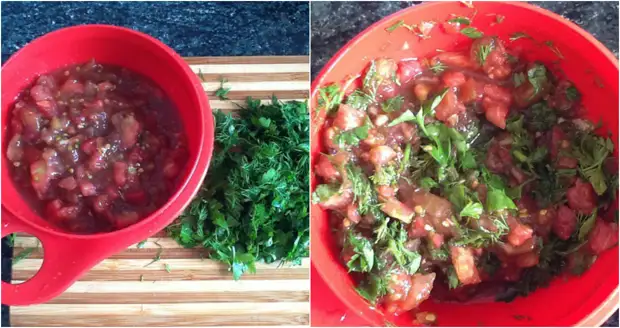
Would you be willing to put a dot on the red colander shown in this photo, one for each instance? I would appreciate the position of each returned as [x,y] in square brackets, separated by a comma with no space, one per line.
[67,256]
[577,301]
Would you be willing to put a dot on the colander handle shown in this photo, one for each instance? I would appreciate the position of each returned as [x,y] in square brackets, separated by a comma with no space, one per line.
[59,270]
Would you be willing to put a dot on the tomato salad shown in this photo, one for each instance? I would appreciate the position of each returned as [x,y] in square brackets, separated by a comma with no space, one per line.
[463,176]
[94,147]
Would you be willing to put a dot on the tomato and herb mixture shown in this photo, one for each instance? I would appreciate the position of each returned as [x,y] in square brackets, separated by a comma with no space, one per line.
[466,175]
[94,147]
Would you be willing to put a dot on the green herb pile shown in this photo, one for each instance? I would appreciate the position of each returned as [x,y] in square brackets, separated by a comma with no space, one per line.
[253,205]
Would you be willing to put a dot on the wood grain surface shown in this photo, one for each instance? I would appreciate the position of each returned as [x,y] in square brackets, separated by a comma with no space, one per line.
[125,290]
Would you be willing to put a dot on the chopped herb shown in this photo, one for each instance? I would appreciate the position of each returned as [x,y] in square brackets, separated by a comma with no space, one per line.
[385,176]
[373,287]
[499,19]
[253,204]
[222,92]
[370,82]
[393,104]
[554,48]
[354,136]
[201,76]
[438,68]
[428,183]
[23,254]
[586,223]
[519,35]
[572,94]
[472,32]
[453,279]
[359,99]
[330,98]
[395,26]
[498,201]
[473,210]
[157,256]
[537,76]
[141,244]
[324,192]
[482,53]
[406,116]
[518,79]
[591,152]
[167,267]
[363,257]
[460,20]
[141,277]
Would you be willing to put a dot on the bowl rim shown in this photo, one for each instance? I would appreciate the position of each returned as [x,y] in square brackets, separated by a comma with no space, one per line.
[610,304]
[187,187]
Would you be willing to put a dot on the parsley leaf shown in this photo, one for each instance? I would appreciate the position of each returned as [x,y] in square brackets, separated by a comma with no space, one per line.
[406,116]
[472,32]
[482,53]
[222,92]
[537,76]
[393,104]
[586,223]
[363,257]
[572,94]
[591,152]
[518,35]
[354,136]
[360,100]
[498,201]
[460,20]
[330,97]
[473,210]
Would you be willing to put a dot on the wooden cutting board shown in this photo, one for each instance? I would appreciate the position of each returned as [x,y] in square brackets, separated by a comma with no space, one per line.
[121,291]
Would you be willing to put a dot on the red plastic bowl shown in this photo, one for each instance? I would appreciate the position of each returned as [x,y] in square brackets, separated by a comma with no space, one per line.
[584,301]
[67,256]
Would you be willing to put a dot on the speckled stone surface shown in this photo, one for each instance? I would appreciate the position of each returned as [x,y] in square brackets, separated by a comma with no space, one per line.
[333,24]
[190,28]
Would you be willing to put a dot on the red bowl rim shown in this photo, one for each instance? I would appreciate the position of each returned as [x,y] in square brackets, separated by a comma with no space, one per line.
[609,305]
[188,187]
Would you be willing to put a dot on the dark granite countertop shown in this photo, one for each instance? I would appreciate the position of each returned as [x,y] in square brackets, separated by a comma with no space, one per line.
[335,23]
[190,28]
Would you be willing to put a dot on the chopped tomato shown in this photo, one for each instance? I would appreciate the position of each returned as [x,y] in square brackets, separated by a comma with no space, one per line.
[348,118]
[450,105]
[565,222]
[603,236]
[464,265]
[326,170]
[581,197]
[407,70]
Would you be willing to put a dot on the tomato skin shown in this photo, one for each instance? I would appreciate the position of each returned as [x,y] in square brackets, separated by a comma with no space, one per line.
[471,91]
[565,222]
[407,70]
[464,265]
[453,78]
[498,158]
[348,118]
[450,105]
[581,197]
[453,59]
[326,170]
[496,64]
[519,232]
[603,236]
